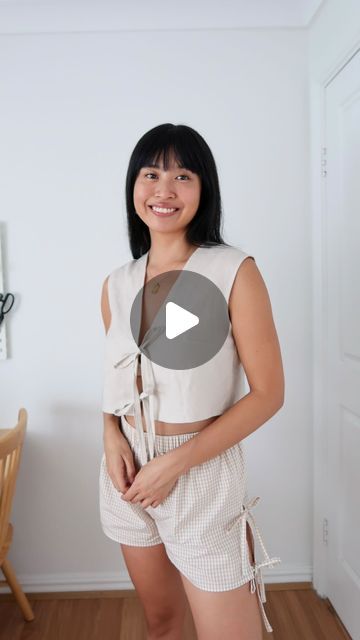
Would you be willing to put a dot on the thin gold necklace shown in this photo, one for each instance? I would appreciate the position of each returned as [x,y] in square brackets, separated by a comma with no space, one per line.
[156,285]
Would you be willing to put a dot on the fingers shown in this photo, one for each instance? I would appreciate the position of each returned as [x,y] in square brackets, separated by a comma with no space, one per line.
[147,503]
[122,474]
[130,468]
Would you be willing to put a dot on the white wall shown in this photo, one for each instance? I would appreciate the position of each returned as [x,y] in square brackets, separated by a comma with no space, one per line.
[73,107]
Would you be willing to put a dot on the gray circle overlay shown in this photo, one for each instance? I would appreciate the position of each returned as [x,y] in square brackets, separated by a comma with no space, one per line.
[194,293]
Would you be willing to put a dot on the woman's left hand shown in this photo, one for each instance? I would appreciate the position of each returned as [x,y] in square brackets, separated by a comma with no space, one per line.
[153,482]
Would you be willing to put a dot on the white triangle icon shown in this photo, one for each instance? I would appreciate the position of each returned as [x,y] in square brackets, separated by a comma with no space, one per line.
[178,320]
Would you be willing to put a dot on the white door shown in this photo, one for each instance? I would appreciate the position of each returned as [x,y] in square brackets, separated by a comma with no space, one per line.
[342,341]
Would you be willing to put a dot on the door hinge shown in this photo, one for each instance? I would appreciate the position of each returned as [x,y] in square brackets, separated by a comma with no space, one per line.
[323,162]
[325,530]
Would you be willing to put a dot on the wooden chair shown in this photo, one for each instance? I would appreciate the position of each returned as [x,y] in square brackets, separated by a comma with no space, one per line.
[11,442]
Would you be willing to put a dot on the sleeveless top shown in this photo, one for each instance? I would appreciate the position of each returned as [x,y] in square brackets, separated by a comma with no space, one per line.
[169,395]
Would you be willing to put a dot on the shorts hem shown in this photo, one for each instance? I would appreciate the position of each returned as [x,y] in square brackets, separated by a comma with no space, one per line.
[247,578]
[131,543]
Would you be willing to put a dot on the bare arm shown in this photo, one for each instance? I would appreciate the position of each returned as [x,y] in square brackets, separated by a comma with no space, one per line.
[259,351]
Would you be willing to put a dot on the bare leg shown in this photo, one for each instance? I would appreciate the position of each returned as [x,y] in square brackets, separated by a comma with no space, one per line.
[234,614]
[159,587]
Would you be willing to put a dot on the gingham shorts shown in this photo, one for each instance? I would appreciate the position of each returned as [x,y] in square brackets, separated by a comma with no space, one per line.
[196,522]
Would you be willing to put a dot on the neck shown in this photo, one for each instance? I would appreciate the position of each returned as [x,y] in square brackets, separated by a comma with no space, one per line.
[166,251]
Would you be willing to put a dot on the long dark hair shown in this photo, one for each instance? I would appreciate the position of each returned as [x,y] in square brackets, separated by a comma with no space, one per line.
[191,152]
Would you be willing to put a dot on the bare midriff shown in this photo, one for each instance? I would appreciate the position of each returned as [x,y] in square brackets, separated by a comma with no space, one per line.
[174,428]
[171,428]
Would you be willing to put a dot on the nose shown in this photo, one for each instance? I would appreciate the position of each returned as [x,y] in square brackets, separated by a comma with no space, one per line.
[165,187]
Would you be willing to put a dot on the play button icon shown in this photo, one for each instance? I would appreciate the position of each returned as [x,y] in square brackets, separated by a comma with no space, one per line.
[178,320]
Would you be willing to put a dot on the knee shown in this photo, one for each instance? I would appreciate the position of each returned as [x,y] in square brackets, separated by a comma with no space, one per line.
[167,626]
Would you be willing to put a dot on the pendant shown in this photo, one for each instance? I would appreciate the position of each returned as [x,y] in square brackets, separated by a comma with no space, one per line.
[155,288]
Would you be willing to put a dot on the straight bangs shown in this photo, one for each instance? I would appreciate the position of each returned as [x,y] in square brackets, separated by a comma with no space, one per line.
[163,147]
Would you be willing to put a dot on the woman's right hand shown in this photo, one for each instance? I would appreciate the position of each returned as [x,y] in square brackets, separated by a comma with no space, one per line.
[119,457]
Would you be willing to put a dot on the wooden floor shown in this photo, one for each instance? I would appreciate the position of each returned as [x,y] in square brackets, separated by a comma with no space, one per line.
[294,610]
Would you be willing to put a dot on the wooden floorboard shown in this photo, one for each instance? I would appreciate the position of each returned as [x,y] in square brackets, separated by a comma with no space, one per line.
[295,612]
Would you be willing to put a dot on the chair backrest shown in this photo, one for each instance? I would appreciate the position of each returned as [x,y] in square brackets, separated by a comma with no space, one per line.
[11,443]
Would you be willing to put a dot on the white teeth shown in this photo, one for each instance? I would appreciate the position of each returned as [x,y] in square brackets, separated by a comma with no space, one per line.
[161,210]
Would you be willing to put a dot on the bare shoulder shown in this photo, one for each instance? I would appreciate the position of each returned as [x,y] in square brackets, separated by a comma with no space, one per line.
[105,306]
[248,286]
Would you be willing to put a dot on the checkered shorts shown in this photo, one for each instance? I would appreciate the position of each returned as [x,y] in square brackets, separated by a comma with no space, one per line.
[202,522]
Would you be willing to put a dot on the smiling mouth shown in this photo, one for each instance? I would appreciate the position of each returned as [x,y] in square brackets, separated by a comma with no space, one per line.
[162,211]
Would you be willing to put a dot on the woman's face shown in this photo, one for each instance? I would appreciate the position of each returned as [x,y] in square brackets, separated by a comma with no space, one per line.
[175,188]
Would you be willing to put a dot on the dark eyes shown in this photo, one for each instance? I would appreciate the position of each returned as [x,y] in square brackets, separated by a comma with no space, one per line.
[180,176]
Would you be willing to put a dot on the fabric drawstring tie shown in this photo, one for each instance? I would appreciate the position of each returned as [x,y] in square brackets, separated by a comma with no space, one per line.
[145,398]
[257,581]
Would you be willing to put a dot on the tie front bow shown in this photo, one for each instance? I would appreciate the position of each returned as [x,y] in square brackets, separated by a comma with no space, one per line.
[145,398]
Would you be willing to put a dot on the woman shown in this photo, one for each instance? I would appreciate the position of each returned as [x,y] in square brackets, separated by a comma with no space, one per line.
[173,477]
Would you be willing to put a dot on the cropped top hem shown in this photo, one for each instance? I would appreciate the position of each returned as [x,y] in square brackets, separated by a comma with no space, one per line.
[176,419]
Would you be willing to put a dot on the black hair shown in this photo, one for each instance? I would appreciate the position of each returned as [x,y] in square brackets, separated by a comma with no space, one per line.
[191,152]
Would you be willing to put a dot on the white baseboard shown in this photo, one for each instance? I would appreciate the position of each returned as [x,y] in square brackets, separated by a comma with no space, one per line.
[119,580]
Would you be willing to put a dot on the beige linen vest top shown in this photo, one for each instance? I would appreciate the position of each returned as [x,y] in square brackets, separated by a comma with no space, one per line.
[169,395]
